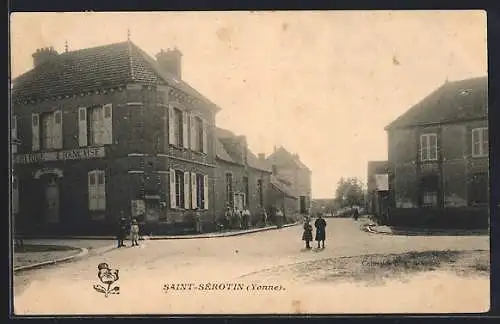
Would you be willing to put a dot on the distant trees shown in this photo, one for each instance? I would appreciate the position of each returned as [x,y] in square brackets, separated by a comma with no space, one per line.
[350,192]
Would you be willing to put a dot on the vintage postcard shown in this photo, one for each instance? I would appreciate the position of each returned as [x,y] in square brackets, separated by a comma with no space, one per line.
[295,162]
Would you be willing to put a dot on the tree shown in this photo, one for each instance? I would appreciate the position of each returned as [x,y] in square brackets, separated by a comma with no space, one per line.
[350,192]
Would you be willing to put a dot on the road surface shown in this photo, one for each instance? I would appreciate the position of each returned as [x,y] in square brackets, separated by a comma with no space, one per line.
[221,275]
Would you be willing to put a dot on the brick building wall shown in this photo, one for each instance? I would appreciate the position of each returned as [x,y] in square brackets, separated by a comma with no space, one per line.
[454,170]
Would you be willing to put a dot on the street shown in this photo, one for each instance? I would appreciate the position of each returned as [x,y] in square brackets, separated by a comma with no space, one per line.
[150,276]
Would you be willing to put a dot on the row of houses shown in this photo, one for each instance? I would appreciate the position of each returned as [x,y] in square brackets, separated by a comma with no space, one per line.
[109,129]
[436,174]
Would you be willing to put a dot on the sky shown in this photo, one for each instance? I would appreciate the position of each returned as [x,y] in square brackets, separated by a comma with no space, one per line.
[323,84]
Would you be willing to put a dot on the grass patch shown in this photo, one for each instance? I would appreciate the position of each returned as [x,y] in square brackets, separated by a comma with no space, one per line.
[41,248]
[377,268]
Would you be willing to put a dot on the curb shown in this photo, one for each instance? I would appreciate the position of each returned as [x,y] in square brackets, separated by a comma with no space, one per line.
[83,252]
[217,235]
[370,229]
[176,237]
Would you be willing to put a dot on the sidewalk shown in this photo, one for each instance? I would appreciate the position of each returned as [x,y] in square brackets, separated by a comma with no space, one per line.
[390,230]
[91,246]
[225,233]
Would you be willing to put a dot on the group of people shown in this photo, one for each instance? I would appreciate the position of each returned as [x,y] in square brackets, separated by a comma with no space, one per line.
[237,218]
[320,225]
[128,228]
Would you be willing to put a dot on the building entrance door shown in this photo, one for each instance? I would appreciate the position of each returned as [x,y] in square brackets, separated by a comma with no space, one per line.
[52,201]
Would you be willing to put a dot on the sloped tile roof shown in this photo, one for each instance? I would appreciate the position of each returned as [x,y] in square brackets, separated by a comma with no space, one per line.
[254,162]
[94,68]
[221,152]
[283,154]
[225,139]
[453,101]
[282,187]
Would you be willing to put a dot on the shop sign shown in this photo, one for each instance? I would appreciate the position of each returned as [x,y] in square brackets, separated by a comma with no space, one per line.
[76,154]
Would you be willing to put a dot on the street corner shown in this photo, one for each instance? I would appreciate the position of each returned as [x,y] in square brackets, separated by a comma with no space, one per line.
[29,257]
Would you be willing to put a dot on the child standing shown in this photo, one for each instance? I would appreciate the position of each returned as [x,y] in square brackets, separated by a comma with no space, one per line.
[307,236]
[134,232]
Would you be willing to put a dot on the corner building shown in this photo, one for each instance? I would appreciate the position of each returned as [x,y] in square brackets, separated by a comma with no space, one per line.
[110,129]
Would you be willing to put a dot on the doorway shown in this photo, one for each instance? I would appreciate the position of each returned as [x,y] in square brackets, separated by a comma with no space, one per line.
[52,201]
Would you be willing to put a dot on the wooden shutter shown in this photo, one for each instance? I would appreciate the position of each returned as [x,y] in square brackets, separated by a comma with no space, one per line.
[57,130]
[35,131]
[485,141]
[205,191]
[107,124]
[101,190]
[171,125]
[13,127]
[194,196]
[186,191]
[205,136]
[82,126]
[433,147]
[192,128]
[172,189]
[185,140]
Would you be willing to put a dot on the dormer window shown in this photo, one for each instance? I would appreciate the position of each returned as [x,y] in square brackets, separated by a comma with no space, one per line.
[465,92]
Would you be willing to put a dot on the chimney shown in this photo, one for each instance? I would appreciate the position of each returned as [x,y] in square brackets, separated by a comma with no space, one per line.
[43,54]
[170,61]
[296,156]
[262,156]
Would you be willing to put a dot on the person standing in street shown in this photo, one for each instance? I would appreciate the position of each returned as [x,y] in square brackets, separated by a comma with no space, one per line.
[228,215]
[246,217]
[198,222]
[122,230]
[279,218]
[307,235]
[320,225]
[355,213]
[134,232]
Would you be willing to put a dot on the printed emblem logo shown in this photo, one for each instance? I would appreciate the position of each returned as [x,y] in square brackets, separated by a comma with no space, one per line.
[108,277]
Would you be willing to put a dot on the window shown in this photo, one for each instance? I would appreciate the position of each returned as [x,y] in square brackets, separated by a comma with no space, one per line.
[229,189]
[13,133]
[95,126]
[51,130]
[430,199]
[480,142]
[200,191]
[97,190]
[178,131]
[429,188]
[198,124]
[478,189]
[260,193]
[428,147]
[179,188]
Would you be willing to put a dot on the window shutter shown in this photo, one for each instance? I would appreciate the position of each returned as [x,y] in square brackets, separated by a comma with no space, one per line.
[205,143]
[172,189]
[205,192]
[433,146]
[13,125]
[485,140]
[35,131]
[194,188]
[107,124]
[192,128]
[101,190]
[57,129]
[475,142]
[185,140]
[186,190]
[171,123]
[82,126]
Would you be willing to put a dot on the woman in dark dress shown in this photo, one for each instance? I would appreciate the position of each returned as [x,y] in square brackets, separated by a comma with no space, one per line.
[307,235]
[320,225]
